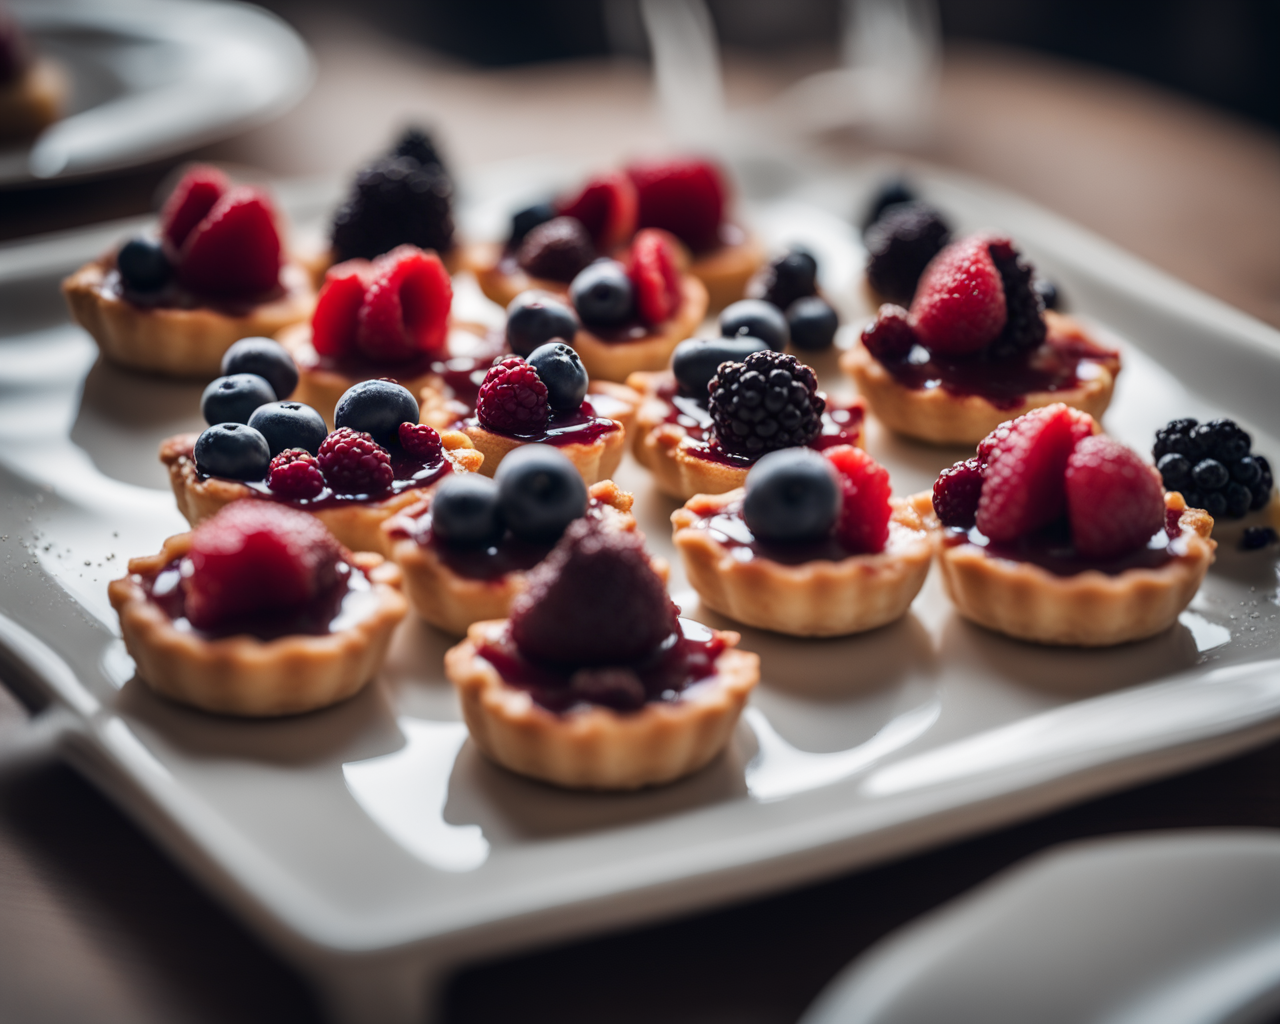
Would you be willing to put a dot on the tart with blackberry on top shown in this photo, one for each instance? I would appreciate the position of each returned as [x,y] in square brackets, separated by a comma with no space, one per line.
[813,545]
[1059,535]
[217,272]
[467,549]
[976,348]
[259,611]
[724,404]
[595,682]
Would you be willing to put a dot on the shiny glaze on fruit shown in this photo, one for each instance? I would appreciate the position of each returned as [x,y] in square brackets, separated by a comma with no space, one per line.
[174,296]
[579,426]
[462,367]
[729,529]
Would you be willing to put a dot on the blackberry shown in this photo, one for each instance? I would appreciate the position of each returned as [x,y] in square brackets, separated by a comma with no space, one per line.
[1261,491]
[1239,498]
[892,192]
[1210,475]
[1256,537]
[1175,471]
[768,401]
[395,201]
[1211,465]
[900,245]
[1025,328]
[1222,439]
[556,250]
[1175,437]
[419,145]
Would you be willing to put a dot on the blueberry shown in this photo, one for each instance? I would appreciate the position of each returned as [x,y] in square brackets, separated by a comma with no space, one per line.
[602,294]
[524,221]
[1048,292]
[1257,537]
[1246,471]
[289,425]
[695,360]
[267,358]
[792,495]
[464,511]
[1175,471]
[791,277]
[560,369]
[539,492]
[143,265]
[535,318]
[757,318]
[232,450]
[377,407]
[812,323]
[1238,500]
[1210,475]
[890,193]
[232,399]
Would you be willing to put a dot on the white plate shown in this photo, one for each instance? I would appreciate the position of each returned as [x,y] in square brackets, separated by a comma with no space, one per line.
[371,843]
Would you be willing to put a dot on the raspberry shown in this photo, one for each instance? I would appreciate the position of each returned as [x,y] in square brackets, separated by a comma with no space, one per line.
[190,202]
[295,473]
[395,201]
[653,272]
[900,245]
[767,401]
[685,197]
[1025,327]
[512,399]
[863,526]
[406,306]
[607,208]
[1115,501]
[421,441]
[556,250]
[959,306]
[353,463]
[337,315]
[595,600]
[235,249]
[956,493]
[890,336]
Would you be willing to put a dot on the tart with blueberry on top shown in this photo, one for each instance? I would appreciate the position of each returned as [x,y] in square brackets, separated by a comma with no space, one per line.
[595,682]
[467,549]
[217,272]
[33,89]
[1059,535]
[813,545]
[976,348]
[259,611]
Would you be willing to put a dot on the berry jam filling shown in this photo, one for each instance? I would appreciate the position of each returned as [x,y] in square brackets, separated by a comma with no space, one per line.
[729,529]
[680,662]
[575,426]
[462,368]
[173,295]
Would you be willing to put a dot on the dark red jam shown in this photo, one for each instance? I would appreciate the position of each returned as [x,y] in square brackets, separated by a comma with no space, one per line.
[462,367]
[681,661]
[579,426]
[175,296]
[731,530]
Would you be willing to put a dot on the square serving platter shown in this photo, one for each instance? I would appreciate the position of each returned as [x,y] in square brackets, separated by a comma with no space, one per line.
[373,846]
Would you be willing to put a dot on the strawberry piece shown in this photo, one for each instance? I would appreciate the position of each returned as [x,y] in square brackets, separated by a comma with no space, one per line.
[1115,501]
[863,527]
[333,325]
[190,202]
[606,206]
[685,197]
[257,557]
[1022,487]
[235,249]
[406,306]
[959,306]
[655,275]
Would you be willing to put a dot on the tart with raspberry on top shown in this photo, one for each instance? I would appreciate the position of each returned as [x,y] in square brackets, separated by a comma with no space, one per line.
[594,681]
[259,611]
[218,272]
[467,549]
[1056,534]
[976,348]
[812,545]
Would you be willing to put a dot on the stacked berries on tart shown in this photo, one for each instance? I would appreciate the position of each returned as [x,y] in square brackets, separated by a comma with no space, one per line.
[812,545]
[975,348]
[1058,535]
[258,611]
[789,286]
[33,89]
[216,272]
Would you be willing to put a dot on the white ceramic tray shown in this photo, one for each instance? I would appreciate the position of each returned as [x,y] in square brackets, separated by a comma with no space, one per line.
[375,848]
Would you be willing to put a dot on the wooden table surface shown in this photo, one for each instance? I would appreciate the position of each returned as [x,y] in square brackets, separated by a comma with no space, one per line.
[96,925]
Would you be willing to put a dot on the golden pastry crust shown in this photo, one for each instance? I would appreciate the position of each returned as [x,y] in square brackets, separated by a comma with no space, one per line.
[596,747]
[502,284]
[936,416]
[819,598]
[1090,609]
[439,409]
[242,675]
[452,602]
[617,360]
[177,342]
[595,460]
[357,526]
[34,101]
[726,270]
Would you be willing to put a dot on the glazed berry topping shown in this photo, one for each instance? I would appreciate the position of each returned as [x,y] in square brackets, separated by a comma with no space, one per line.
[418,144]
[233,399]
[607,207]
[1048,292]
[956,493]
[421,441]
[1115,501]
[535,318]
[353,463]
[812,323]
[695,361]
[556,250]
[190,202]
[143,265]
[863,527]
[405,309]
[959,307]
[768,401]
[513,399]
[890,193]
[333,324]
[1255,538]
[233,450]
[524,221]
[289,425]
[595,600]
[235,249]
[603,294]
[265,357]
[465,511]
[540,492]
[890,336]
[685,197]
[1175,436]
[295,475]
[792,496]
[396,200]
[1222,439]
[756,318]
[376,408]
[654,276]
[1210,464]
[792,276]
[560,369]
[900,245]
[1024,327]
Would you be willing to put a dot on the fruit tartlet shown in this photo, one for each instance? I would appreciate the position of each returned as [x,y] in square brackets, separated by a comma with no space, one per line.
[594,681]
[33,89]
[258,611]
[467,549]
[813,545]
[218,272]
[379,460]
[789,286]
[976,348]
[1058,535]
[725,403]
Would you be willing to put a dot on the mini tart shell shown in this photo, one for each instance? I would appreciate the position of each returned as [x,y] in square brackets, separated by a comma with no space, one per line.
[177,342]
[484,260]
[441,410]
[452,602]
[357,526]
[242,675]
[818,598]
[617,360]
[936,416]
[33,101]
[594,460]
[597,747]
[1089,609]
